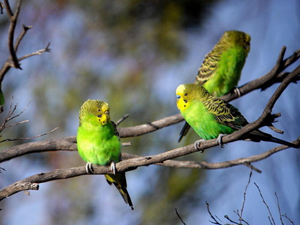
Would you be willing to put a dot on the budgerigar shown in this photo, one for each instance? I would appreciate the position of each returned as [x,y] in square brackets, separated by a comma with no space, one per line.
[222,67]
[98,142]
[210,116]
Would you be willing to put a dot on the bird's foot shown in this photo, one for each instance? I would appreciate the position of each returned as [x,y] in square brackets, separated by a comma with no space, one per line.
[197,145]
[237,90]
[89,169]
[219,140]
[113,167]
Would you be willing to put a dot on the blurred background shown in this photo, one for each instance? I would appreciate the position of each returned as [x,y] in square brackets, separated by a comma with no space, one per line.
[133,55]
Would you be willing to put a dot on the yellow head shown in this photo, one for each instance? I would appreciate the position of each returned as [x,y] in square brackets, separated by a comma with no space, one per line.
[99,109]
[186,93]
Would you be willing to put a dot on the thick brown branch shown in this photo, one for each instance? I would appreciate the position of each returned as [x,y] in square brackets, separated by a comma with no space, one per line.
[128,164]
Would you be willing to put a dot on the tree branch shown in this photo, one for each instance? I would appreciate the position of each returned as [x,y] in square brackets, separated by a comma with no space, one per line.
[13,22]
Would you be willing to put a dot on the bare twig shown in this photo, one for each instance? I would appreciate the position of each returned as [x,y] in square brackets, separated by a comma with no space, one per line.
[271,219]
[18,41]
[122,119]
[288,219]
[179,217]
[279,210]
[28,138]
[252,167]
[10,116]
[245,192]
[39,52]
[227,217]
[212,216]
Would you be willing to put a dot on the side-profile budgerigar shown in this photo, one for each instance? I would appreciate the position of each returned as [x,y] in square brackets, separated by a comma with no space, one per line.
[222,66]
[211,117]
[98,142]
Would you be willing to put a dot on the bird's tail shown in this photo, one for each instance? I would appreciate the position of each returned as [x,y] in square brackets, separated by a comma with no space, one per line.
[119,180]
[267,137]
[185,129]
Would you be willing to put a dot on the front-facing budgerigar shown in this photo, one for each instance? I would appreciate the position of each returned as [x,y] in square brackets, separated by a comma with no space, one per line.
[211,117]
[222,66]
[98,142]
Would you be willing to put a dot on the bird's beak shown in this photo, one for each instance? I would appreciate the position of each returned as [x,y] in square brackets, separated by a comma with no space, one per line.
[105,118]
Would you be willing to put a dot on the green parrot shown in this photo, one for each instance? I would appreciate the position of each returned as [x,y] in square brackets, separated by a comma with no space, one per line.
[98,143]
[221,68]
[212,117]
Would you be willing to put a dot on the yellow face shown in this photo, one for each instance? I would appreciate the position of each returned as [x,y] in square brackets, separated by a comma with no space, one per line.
[103,114]
[181,96]
[99,109]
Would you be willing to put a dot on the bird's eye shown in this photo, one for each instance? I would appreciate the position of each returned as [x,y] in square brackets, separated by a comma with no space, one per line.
[99,110]
[178,96]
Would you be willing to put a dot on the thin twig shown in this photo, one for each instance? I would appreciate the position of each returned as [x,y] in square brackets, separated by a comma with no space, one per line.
[28,138]
[18,41]
[39,52]
[122,119]
[10,116]
[179,217]
[288,219]
[227,217]
[211,215]
[279,210]
[262,197]
[245,192]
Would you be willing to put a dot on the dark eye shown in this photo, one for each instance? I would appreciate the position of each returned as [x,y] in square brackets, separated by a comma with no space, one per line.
[185,94]
[99,110]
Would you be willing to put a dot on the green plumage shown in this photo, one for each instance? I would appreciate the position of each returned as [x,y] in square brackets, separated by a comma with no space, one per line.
[98,141]
[222,66]
[210,116]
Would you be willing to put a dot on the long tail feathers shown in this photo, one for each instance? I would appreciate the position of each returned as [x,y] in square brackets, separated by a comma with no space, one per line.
[267,137]
[279,141]
[119,180]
